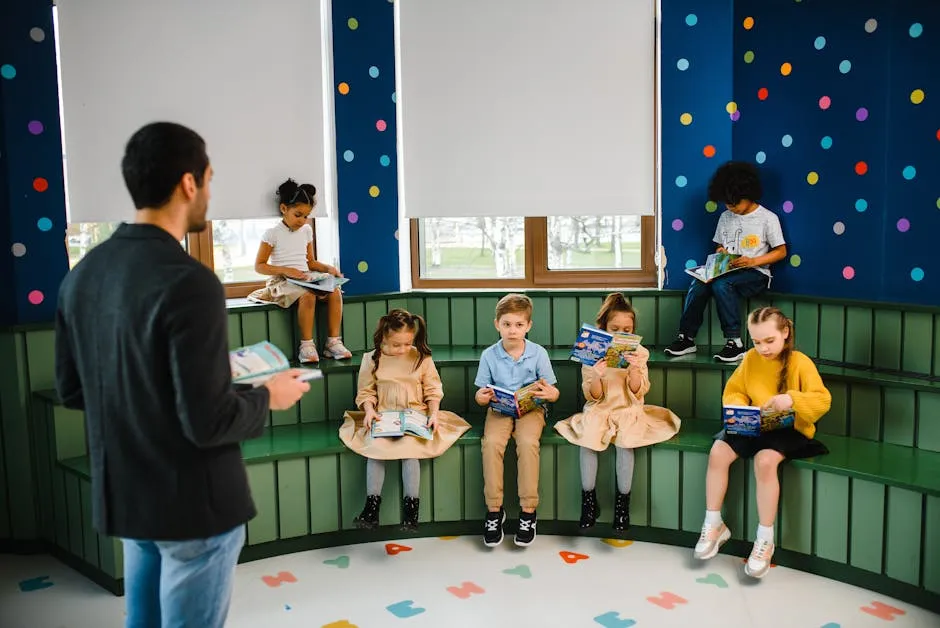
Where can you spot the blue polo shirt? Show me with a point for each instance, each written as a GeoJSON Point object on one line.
{"type": "Point", "coordinates": [498, 368]}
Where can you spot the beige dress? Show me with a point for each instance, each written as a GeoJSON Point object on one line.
{"type": "Point", "coordinates": [397, 385]}
{"type": "Point", "coordinates": [619, 416]}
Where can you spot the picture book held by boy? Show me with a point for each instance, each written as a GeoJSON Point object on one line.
{"type": "Point", "coordinates": [716, 265]}
{"type": "Point", "coordinates": [400, 422]}
{"type": "Point", "coordinates": [752, 421]}
{"type": "Point", "coordinates": [257, 363]}
{"type": "Point", "coordinates": [515, 403]}
{"type": "Point", "coordinates": [322, 282]}
{"type": "Point", "coordinates": [593, 345]}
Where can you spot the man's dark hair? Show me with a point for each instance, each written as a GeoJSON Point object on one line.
{"type": "Point", "coordinates": [734, 182]}
{"type": "Point", "coordinates": [156, 158]}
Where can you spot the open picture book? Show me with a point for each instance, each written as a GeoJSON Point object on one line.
{"type": "Point", "coordinates": [593, 345]}
{"type": "Point", "coordinates": [515, 403]}
{"type": "Point", "coordinates": [257, 363]}
{"type": "Point", "coordinates": [753, 421]}
{"type": "Point", "coordinates": [716, 265]}
{"type": "Point", "coordinates": [401, 422]}
{"type": "Point", "coordinates": [322, 282]}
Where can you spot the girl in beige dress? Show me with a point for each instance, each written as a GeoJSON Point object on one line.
{"type": "Point", "coordinates": [615, 412]}
{"type": "Point", "coordinates": [398, 374]}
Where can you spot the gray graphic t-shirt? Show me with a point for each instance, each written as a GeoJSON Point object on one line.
{"type": "Point", "coordinates": [752, 235]}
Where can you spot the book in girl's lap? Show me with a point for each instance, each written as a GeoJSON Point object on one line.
{"type": "Point", "coordinates": [773, 376]}
{"type": "Point", "coordinates": [286, 251]}
{"type": "Point", "coordinates": [398, 375]}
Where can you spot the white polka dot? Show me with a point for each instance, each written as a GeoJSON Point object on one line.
{"type": "Point", "coordinates": [37, 34]}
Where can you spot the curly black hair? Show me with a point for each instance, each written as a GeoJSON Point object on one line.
{"type": "Point", "coordinates": [734, 182]}
{"type": "Point", "coordinates": [291, 193]}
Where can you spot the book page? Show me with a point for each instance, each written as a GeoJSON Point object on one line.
{"type": "Point", "coordinates": [417, 424]}
{"type": "Point", "coordinates": [257, 360]}
{"type": "Point", "coordinates": [388, 424]}
{"type": "Point", "coordinates": [526, 401]}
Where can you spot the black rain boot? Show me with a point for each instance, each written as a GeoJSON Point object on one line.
{"type": "Point", "coordinates": [590, 511]}
{"type": "Point", "coordinates": [622, 512]}
{"type": "Point", "coordinates": [409, 517]}
{"type": "Point", "coordinates": [368, 519]}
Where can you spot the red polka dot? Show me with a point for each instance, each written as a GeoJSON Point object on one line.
{"type": "Point", "coordinates": [709, 151]}
{"type": "Point", "coordinates": [762, 93]}
{"type": "Point", "coordinates": [40, 184]}
{"type": "Point", "coordinates": [938, 134]}
{"type": "Point", "coordinates": [35, 297]}
{"type": "Point", "coordinates": [861, 168]}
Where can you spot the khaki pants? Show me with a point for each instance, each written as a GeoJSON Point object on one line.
{"type": "Point", "coordinates": [496, 432]}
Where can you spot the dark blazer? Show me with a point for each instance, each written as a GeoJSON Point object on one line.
{"type": "Point", "coordinates": [142, 348]}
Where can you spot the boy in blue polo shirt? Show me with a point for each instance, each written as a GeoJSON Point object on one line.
{"type": "Point", "coordinates": [512, 363]}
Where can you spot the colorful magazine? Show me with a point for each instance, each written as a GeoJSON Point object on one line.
{"type": "Point", "coordinates": [593, 345]}
{"type": "Point", "coordinates": [752, 421]}
{"type": "Point", "coordinates": [393, 423]}
{"type": "Point", "coordinates": [257, 363]}
{"type": "Point", "coordinates": [515, 403]}
{"type": "Point", "coordinates": [716, 265]}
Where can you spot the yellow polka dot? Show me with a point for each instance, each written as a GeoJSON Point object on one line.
{"type": "Point", "coordinates": [363, 267]}
{"type": "Point", "coordinates": [812, 178]}
{"type": "Point", "coordinates": [785, 69]}
{"type": "Point", "coordinates": [917, 96]}
{"type": "Point", "coordinates": [374, 191]}
{"type": "Point", "coordinates": [748, 23]}
{"type": "Point", "coordinates": [343, 88]}
{"type": "Point", "coordinates": [731, 107]}
{"type": "Point", "coordinates": [686, 119]}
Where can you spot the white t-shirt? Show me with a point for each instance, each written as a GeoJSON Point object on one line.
{"type": "Point", "coordinates": [290, 247]}
{"type": "Point", "coordinates": [753, 234]}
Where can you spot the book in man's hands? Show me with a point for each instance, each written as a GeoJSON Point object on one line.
{"type": "Point", "coordinates": [322, 282]}
{"type": "Point", "coordinates": [516, 403]}
{"type": "Point", "coordinates": [593, 345]}
{"type": "Point", "coordinates": [400, 422]}
{"type": "Point", "coordinates": [716, 265]}
{"type": "Point", "coordinates": [257, 363]}
{"type": "Point", "coordinates": [753, 421]}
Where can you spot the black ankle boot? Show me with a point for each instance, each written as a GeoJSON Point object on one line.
{"type": "Point", "coordinates": [409, 516]}
{"type": "Point", "coordinates": [622, 512]}
{"type": "Point", "coordinates": [368, 519]}
{"type": "Point", "coordinates": [590, 511]}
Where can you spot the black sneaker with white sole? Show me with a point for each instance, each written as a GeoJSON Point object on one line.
{"type": "Point", "coordinates": [526, 532]}
{"type": "Point", "coordinates": [681, 346]}
{"type": "Point", "coordinates": [493, 528]}
{"type": "Point", "coordinates": [731, 352]}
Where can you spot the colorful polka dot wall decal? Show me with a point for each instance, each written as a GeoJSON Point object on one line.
{"type": "Point", "coordinates": [374, 72]}
{"type": "Point", "coordinates": [40, 184]}
{"type": "Point", "coordinates": [904, 225]}
{"type": "Point", "coordinates": [7, 71]}
{"type": "Point", "coordinates": [845, 66]}
{"type": "Point", "coordinates": [384, 161]}
{"type": "Point", "coordinates": [871, 25]}
{"type": "Point", "coordinates": [362, 267]}
{"type": "Point", "coordinates": [709, 151]}
{"type": "Point", "coordinates": [861, 168]}
{"type": "Point", "coordinates": [35, 127]}
{"type": "Point", "coordinates": [916, 30]}
{"type": "Point", "coordinates": [348, 155]}
{"type": "Point", "coordinates": [826, 142]}
{"type": "Point", "coordinates": [711, 206]}
{"type": "Point", "coordinates": [748, 23]}
{"type": "Point", "coordinates": [18, 249]}
{"type": "Point", "coordinates": [760, 157]}
{"type": "Point", "coordinates": [861, 205]}
{"type": "Point", "coordinates": [35, 297]}
{"type": "Point", "coordinates": [685, 119]}
{"type": "Point", "coordinates": [374, 191]}
{"type": "Point", "coordinates": [787, 141]}
{"type": "Point", "coordinates": [691, 19]}
{"type": "Point", "coordinates": [690, 263]}
{"type": "Point", "coordinates": [352, 23]}
{"type": "Point", "coordinates": [749, 56]}
{"type": "Point", "coordinates": [861, 114]}
{"type": "Point", "coordinates": [917, 96]}
{"type": "Point", "coordinates": [838, 228]}
{"type": "Point", "coordinates": [731, 107]}
{"type": "Point", "coordinates": [795, 261]}
{"type": "Point", "coordinates": [37, 34]}
{"type": "Point", "coordinates": [787, 206]}
{"type": "Point", "coordinates": [736, 116]}
{"type": "Point", "coordinates": [394, 97]}
{"type": "Point", "coordinates": [762, 93]}
{"type": "Point", "coordinates": [786, 69]}
{"type": "Point", "coordinates": [848, 272]}
{"type": "Point", "coordinates": [938, 202]}
{"type": "Point", "coordinates": [682, 65]}
{"type": "Point", "coordinates": [812, 178]}
{"type": "Point", "coordinates": [681, 181]}
{"type": "Point", "coordinates": [677, 225]}
{"type": "Point", "coordinates": [820, 43]}
{"type": "Point", "coordinates": [917, 274]}
{"type": "Point", "coordinates": [909, 172]}
{"type": "Point", "coordinates": [396, 234]}
{"type": "Point", "coordinates": [343, 88]}
{"type": "Point", "coordinates": [44, 224]}
{"type": "Point", "coordinates": [380, 125]}
{"type": "Point", "coordinates": [352, 217]}
{"type": "Point", "coordinates": [825, 102]}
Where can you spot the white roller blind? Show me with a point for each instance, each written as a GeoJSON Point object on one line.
{"type": "Point", "coordinates": [526, 107]}
{"type": "Point", "coordinates": [247, 76]}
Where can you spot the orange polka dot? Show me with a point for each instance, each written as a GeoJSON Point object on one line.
{"type": "Point", "coordinates": [343, 88]}
{"type": "Point", "coordinates": [861, 168]}
{"type": "Point", "coordinates": [748, 23]}
{"type": "Point", "coordinates": [785, 69]}
{"type": "Point", "coordinates": [709, 151]}
{"type": "Point", "coordinates": [762, 93]}
{"type": "Point", "coordinates": [40, 184]}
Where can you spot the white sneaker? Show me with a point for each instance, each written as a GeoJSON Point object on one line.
{"type": "Point", "coordinates": [758, 563]}
{"type": "Point", "coordinates": [336, 350]}
{"type": "Point", "coordinates": [711, 540]}
{"type": "Point", "coordinates": [308, 353]}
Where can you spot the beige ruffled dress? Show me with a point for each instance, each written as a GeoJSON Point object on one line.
{"type": "Point", "coordinates": [397, 385]}
{"type": "Point", "coordinates": [619, 416]}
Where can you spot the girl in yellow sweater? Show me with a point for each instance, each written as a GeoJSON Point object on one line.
{"type": "Point", "coordinates": [398, 374]}
{"type": "Point", "coordinates": [774, 376]}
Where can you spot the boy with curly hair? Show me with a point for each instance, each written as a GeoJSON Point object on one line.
{"type": "Point", "coordinates": [748, 229]}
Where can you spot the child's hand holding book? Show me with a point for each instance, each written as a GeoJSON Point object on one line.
{"type": "Point", "coordinates": [484, 396]}
{"type": "Point", "coordinates": [779, 403]}
{"type": "Point", "coordinates": [600, 368]}
{"type": "Point", "coordinates": [544, 391]}
{"type": "Point", "coordinates": [370, 416]}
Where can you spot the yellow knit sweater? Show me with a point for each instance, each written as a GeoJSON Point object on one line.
{"type": "Point", "coordinates": [754, 382]}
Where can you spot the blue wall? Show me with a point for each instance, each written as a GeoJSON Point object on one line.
{"type": "Point", "coordinates": [857, 236]}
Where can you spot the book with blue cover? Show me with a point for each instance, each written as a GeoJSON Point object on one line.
{"type": "Point", "coordinates": [257, 363]}
{"type": "Point", "coordinates": [593, 345]}
{"type": "Point", "coordinates": [753, 421]}
{"type": "Point", "coordinates": [515, 403]}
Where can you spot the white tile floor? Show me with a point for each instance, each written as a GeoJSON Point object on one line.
{"type": "Point", "coordinates": [368, 586]}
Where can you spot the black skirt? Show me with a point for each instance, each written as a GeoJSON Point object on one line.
{"type": "Point", "coordinates": [789, 442]}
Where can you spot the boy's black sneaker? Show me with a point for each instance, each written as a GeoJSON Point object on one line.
{"type": "Point", "coordinates": [681, 346]}
{"type": "Point", "coordinates": [526, 532]}
{"type": "Point", "coordinates": [493, 528]}
{"type": "Point", "coordinates": [731, 352]}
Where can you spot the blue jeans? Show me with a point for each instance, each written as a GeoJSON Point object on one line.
{"type": "Point", "coordinates": [180, 584]}
{"type": "Point", "coordinates": [727, 290]}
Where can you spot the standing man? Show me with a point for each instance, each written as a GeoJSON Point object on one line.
{"type": "Point", "coordinates": [141, 347]}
